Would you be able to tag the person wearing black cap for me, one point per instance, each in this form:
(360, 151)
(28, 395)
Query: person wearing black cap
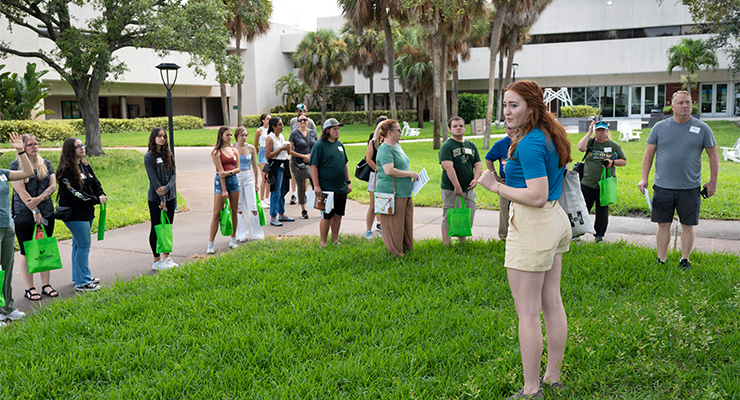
(601, 152)
(329, 173)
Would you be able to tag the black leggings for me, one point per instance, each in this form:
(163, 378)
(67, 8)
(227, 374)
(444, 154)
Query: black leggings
(154, 212)
(591, 196)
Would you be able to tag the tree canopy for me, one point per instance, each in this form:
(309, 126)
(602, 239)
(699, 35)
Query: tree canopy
(691, 55)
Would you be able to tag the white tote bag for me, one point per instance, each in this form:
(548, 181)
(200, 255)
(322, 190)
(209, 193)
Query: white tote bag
(574, 205)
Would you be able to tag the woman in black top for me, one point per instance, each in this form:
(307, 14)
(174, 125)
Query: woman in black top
(160, 168)
(32, 206)
(80, 191)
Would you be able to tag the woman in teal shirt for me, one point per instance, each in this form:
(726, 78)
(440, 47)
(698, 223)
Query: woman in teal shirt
(395, 176)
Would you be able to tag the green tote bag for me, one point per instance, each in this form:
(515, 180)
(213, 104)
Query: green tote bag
(458, 220)
(225, 220)
(261, 212)
(164, 234)
(607, 188)
(101, 221)
(42, 254)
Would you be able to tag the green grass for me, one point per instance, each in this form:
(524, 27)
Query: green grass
(351, 322)
(124, 180)
(723, 205)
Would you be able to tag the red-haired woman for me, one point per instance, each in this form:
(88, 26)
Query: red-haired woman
(539, 231)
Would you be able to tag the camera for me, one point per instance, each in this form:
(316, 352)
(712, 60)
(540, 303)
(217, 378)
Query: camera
(605, 163)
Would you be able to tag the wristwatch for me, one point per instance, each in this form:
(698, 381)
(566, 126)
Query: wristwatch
(348, 182)
(36, 211)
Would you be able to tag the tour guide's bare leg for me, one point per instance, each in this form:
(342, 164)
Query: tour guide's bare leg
(528, 307)
(662, 238)
(687, 240)
(334, 223)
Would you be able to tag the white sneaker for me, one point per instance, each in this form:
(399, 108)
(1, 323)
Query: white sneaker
(14, 315)
(157, 265)
(170, 262)
(233, 243)
(266, 204)
(210, 248)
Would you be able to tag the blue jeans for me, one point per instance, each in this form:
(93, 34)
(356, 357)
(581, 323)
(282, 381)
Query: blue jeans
(277, 196)
(81, 241)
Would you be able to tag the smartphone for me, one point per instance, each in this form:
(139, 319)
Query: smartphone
(704, 193)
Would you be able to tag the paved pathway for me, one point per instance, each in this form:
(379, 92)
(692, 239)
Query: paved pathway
(125, 254)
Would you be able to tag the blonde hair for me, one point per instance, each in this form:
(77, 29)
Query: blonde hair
(680, 92)
(38, 164)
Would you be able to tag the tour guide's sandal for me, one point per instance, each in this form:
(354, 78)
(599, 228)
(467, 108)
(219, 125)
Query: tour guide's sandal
(520, 395)
(550, 385)
(275, 222)
(51, 292)
(32, 296)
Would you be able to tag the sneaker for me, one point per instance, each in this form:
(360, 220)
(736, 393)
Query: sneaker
(658, 261)
(157, 265)
(265, 203)
(233, 243)
(90, 287)
(684, 264)
(304, 214)
(598, 239)
(210, 248)
(14, 315)
(293, 199)
(369, 235)
(170, 262)
(377, 226)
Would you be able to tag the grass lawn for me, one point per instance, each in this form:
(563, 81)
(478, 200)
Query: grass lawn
(351, 322)
(723, 205)
(124, 180)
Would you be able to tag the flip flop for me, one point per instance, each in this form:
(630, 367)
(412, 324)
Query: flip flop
(51, 292)
(32, 296)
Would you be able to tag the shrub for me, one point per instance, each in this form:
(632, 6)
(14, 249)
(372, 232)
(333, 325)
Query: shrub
(345, 117)
(473, 106)
(114, 125)
(579, 111)
(50, 130)
(669, 109)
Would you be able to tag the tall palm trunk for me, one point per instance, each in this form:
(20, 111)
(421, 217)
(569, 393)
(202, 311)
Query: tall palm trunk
(239, 85)
(371, 106)
(224, 104)
(443, 116)
(455, 90)
(500, 91)
(437, 63)
(389, 61)
(404, 100)
(419, 111)
(498, 22)
(323, 102)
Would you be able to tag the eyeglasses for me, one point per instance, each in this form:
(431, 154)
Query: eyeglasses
(82, 146)
(32, 145)
(302, 120)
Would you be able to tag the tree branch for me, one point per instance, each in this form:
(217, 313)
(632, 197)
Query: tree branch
(41, 56)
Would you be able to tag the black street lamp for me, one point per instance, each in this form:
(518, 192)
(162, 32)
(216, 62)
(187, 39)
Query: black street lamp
(514, 66)
(169, 67)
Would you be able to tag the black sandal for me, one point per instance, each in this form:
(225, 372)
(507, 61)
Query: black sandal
(32, 296)
(51, 292)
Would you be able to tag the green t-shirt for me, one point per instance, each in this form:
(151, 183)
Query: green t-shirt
(464, 155)
(331, 161)
(386, 155)
(595, 158)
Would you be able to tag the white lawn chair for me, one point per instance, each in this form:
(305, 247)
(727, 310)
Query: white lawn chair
(626, 134)
(732, 153)
(409, 131)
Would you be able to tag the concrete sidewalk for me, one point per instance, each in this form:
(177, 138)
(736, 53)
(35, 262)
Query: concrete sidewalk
(125, 253)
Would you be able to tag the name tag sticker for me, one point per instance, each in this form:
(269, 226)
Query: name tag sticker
(82, 175)
(694, 129)
(341, 148)
(607, 149)
(159, 160)
(468, 151)
(3, 178)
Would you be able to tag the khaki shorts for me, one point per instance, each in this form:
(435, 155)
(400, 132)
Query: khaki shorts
(535, 236)
(449, 200)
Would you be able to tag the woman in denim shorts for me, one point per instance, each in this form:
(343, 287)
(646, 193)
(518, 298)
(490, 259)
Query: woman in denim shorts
(225, 185)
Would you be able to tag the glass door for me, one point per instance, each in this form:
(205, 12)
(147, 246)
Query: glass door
(636, 101)
(642, 99)
(713, 99)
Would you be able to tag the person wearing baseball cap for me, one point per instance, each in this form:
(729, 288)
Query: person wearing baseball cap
(329, 173)
(601, 152)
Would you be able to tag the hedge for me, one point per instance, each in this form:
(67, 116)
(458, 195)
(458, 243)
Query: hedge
(473, 106)
(50, 130)
(578, 111)
(345, 117)
(669, 109)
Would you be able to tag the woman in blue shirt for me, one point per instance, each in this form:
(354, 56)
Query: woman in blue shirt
(539, 230)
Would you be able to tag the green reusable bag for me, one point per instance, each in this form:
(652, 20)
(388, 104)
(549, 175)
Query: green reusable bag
(2, 280)
(261, 212)
(42, 254)
(101, 221)
(225, 220)
(458, 221)
(164, 234)
(607, 188)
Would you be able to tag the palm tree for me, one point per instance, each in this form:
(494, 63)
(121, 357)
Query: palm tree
(247, 19)
(366, 13)
(367, 54)
(414, 67)
(498, 22)
(690, 55)
(321, 57)
(293, 90)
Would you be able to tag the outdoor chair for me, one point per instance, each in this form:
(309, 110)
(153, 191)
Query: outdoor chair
(732, 153)
(409, 131)
(626, 134)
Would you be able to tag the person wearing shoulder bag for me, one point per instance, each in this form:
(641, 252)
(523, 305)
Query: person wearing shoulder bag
(371, 158)
(601, 153)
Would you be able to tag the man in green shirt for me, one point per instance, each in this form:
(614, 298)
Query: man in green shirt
(461, 168)
(329, 174)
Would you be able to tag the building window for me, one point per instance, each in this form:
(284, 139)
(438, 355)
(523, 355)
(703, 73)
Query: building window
(71, 110)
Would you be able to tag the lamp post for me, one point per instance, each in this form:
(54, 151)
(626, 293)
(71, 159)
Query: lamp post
(167, 84)
(514, 66)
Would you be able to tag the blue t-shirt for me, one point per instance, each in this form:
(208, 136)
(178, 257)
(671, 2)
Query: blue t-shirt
(499, 152)
(6, 221)
(535, 156)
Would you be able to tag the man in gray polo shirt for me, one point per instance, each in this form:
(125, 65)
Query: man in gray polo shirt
(676, 144)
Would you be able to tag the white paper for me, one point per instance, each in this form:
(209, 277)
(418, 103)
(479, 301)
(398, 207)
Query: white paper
(419, 183)
(647, 199)
(311, 200)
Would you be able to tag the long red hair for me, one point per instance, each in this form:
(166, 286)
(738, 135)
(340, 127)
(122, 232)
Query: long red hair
(532, 94)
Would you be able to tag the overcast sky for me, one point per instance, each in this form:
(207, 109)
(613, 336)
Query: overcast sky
(303, 13)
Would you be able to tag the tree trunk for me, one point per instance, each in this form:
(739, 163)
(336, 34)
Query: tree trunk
(323, 101)
(455, 90)
(419, 111)
(372, 103)
(241, 82)
(498, 22)
(443, 116)
(512, 49)
(404, 101)
(437, 63)
(500, 91)
(389, 61)
(224, 105)
(87, 94)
